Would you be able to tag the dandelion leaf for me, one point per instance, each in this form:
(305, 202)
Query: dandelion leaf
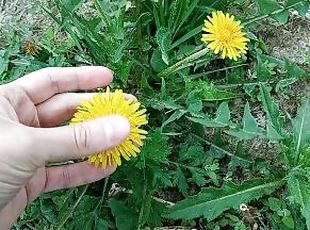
(211, 202)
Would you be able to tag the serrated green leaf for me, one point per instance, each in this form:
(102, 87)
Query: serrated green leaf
(274, 119)
(293, 70)
(163, 39)
(192, 153)
(283, 84)
(198, 176)
(274, 204)
(156, 147)
(194, 105)
(302, 6)
(181, 182)
(301, 128)
(249, 88)
(250, 127)
(271, 6)
(175, 116)
(211, 93)
(267, 6)
(157, 62)
(221, 120)
(161, 177)
(282, 17)
(299, 189)
(126, 219)
(71, 5)
(211, 202)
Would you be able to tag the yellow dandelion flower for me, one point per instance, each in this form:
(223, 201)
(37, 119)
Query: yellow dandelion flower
(224, 34)
(115, 103)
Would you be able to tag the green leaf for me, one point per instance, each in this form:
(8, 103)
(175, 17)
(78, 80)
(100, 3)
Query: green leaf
(284, 83)
(198, 176)
(181, 182)
(157, 62)
(156, 147)
(282, 17)
(270, 6)
(274, 120)
(293, 70)
(264, 69)
(187, 36)
(301, 6)
(194, 105)
(274, 204)
(192, 153)
(299, 189)
(176, 12)
(249, 88)
(161, 177)
(301, 128)
(175, 116)
(186, 14)
(163, 38)
(267, 6)
(288, 221)
(211, 93)
(71, 5)
(126, 219)
(221, 120)
(89, 221)
(250, 127)
(211, 202)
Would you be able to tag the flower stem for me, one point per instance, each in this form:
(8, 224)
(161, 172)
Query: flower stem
(188, 61)
(73, 208)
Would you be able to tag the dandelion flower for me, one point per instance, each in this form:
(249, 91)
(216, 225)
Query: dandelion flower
(115, 103)
(30, 48)
(224, 34)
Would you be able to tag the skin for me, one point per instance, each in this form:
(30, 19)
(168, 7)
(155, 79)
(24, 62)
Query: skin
(30, 110)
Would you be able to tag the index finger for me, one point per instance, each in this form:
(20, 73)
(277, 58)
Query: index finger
(43, 84)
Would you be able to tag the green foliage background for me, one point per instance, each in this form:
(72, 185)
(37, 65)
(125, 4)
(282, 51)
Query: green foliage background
(196, 168)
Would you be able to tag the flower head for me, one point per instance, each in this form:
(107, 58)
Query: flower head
(115, 103)
(30, 48)
(224, 34)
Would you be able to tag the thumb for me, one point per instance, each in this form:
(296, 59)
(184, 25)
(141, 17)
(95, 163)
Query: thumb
(82, 139)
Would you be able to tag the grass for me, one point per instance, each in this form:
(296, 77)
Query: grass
(218, 139)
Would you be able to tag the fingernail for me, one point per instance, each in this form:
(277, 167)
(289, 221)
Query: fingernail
(117, 129)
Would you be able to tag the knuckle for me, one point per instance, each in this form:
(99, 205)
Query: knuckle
(51, 74)
(82, 134)
(66, 177)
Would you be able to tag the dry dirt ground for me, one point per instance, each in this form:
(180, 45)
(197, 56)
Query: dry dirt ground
(289, 41)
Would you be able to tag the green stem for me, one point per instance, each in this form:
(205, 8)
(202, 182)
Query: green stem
(222, 150)
(182, 165)
(188, 61)
(105, 185)
(73, 208)
(268, 15)
(195, 76)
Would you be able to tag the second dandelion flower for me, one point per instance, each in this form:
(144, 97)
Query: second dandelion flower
(224, 35)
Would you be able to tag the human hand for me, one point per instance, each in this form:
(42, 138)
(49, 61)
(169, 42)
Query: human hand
(29, 109)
